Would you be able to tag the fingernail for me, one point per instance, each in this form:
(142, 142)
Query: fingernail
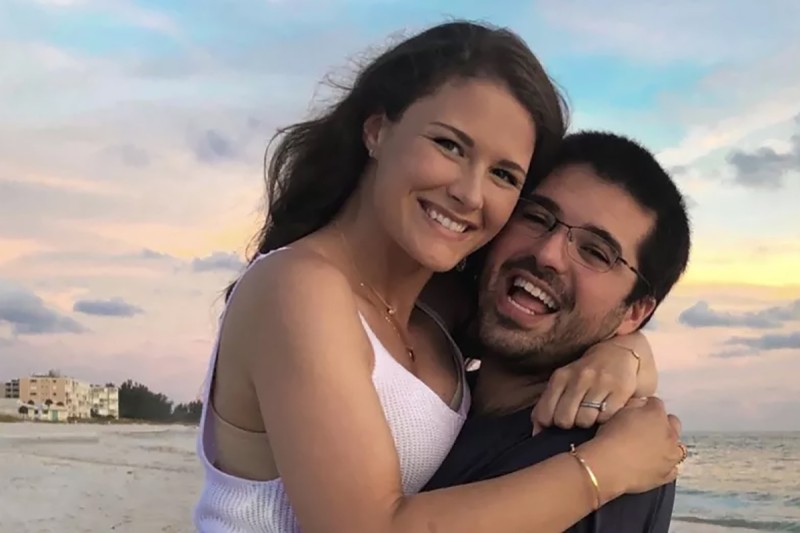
(536, 429)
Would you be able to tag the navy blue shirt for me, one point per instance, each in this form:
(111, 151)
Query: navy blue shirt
(491, 446)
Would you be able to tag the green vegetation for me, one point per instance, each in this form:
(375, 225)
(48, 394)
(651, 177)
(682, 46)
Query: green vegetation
(137, 401)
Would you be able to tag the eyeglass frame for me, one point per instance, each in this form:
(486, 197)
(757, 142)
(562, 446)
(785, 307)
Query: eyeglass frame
(571, 240)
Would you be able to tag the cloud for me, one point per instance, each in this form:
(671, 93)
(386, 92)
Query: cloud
(773, 341)
(129, 155)
(701, 315)
(114, 307)
(147, 253)
(765, 168)
(61, 3)
(83, 257)
(732, 103)
(27, 314)
(124, 10)
(25, 200)
(646, 31)
(217, 261)
(212, 146)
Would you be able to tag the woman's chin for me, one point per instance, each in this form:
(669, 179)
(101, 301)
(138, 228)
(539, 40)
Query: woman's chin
(435, 257)
(440, 264)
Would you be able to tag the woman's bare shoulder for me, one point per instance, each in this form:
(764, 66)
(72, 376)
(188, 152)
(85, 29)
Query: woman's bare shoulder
(293, 273)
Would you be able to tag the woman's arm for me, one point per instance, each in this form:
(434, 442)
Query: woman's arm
(311, 364)
(636, 346)
(614, 371)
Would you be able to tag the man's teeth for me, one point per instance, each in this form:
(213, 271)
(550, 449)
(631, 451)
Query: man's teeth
(448, 223)
(521, 308)
(536, 292)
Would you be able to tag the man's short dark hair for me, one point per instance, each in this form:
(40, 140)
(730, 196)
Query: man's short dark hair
(664, 253)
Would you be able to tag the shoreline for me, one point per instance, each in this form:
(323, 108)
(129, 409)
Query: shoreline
(127, 477)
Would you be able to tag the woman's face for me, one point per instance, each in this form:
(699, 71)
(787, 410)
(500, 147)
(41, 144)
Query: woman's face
(448, 173)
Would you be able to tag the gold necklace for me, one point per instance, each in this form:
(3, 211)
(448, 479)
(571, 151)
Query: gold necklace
(388, 311)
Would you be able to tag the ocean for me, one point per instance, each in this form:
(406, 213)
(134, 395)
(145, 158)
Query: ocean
(739, 482)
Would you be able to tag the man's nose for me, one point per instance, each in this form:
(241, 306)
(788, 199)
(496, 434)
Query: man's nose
(551, 250)
(468, 189)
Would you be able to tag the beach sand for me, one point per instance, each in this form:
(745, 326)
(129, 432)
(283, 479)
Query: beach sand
(75, 478)
(97, 478)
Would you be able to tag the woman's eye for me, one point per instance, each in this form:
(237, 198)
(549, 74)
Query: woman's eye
(507, 176)
(449, 145)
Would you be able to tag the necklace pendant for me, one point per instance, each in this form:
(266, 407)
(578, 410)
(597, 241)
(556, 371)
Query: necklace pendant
(391, 311)
(411, 354)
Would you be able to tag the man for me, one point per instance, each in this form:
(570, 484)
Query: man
(589, 254)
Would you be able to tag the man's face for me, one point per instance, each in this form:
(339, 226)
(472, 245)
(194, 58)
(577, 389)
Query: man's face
(543, 297)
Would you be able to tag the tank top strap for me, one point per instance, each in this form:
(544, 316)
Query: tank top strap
(458, 357)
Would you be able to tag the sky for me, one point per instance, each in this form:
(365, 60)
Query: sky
(131, 144)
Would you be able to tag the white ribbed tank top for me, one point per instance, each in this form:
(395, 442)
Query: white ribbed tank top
(423, 427)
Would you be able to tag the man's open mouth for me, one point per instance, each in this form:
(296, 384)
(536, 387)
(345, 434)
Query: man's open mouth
(531, 296)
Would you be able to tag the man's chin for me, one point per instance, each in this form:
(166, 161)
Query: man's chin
(505, 340)
(518, 363)
(523, 351)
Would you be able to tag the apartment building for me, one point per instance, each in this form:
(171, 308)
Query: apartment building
(105, 400)
(10, 389)
(59, 391)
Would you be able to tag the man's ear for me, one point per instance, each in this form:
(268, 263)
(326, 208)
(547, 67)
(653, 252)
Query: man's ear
(373, 132)
(637, 313)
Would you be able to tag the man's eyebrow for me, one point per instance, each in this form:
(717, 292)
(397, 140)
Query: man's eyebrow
(543, 201)
(466, 139)
(554, 208)
(604, 234)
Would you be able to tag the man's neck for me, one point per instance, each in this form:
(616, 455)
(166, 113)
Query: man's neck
(498, 391)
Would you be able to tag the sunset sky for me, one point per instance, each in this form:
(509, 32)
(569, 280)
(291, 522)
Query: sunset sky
(131, 144)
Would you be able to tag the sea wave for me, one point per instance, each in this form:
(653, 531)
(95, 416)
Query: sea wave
(751, 495)
(741, 523)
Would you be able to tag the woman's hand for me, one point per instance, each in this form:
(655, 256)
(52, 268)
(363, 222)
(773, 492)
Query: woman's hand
(606, 376)
(636, 451)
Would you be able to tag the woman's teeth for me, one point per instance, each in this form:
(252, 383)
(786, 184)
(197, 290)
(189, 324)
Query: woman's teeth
(448, 223)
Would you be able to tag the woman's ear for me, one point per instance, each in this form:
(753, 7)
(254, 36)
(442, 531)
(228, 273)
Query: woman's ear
(373, 132)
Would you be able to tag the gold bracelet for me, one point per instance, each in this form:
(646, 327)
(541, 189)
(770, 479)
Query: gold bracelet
(574, 453)
(633, 353)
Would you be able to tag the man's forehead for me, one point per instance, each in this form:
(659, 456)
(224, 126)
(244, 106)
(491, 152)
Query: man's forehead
(574, 177)
(580, 197)
(572, 189)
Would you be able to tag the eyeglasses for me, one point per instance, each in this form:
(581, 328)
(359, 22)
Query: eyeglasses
(584, 246)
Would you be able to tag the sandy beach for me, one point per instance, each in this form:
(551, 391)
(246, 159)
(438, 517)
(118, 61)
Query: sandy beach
(92, 478)
(97, 478)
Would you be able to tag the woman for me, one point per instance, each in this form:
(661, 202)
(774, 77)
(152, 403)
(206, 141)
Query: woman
(329, 387)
